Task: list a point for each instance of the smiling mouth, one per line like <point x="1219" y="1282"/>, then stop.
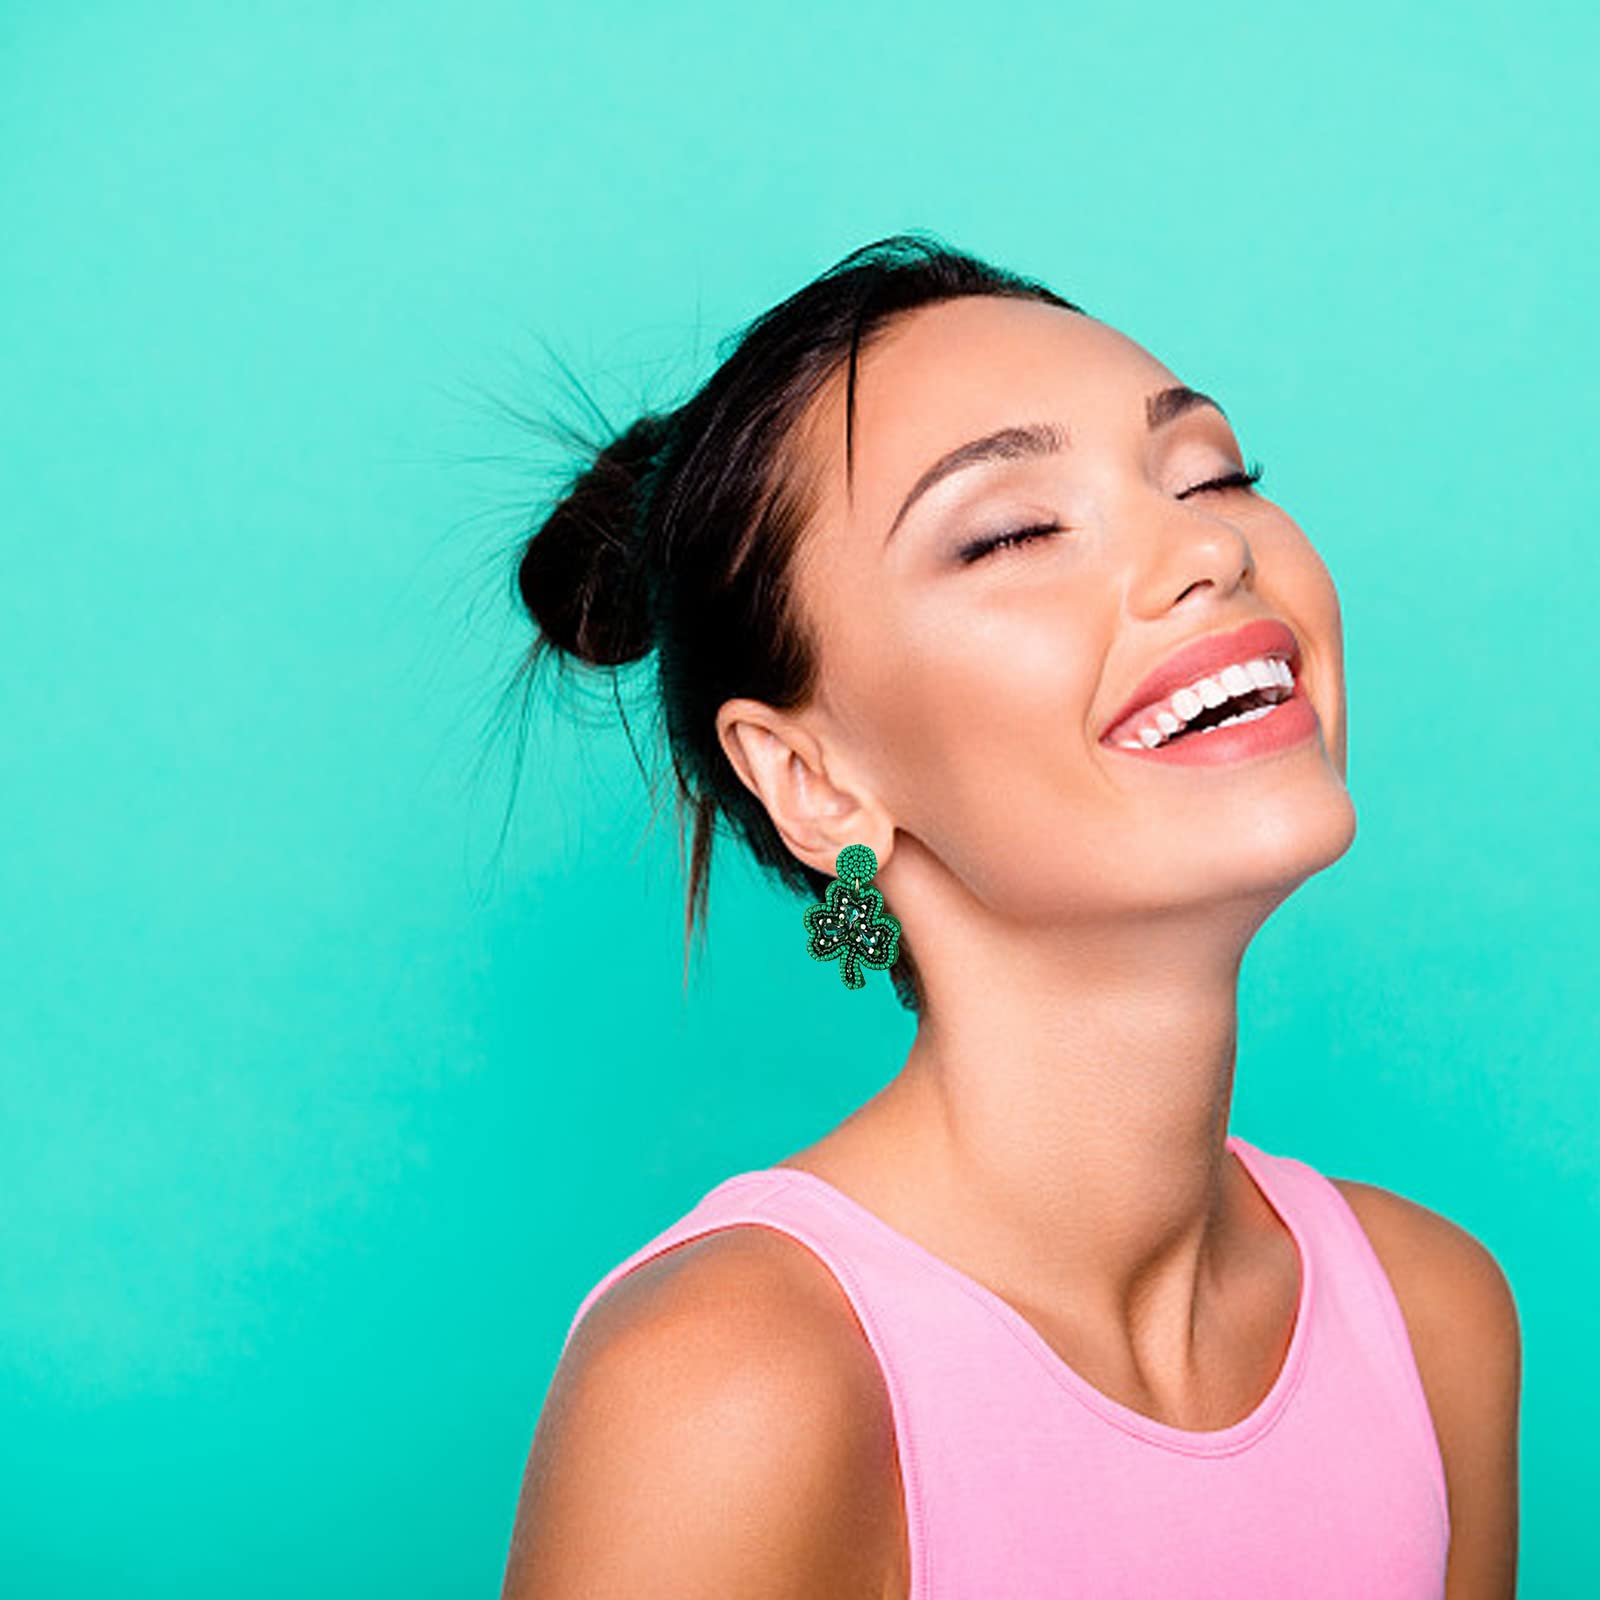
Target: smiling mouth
<point x="1246" y="727"/>
<point x="1243" y="691"/>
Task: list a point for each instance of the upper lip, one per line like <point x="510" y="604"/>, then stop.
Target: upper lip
<point x="1208" y="654"/>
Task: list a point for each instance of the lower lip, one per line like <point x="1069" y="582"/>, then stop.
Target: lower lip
<point x="1290" y="722"/>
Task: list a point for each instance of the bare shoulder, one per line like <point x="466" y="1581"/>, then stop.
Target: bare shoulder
<point x="717" y="1425"/>
<point x="1426" y="1242"/>
<point x="1451" y="1287"/>
<point x="1466" y="1334"/>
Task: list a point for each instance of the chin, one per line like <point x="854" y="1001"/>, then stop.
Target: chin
<point x="1286" y="844"/>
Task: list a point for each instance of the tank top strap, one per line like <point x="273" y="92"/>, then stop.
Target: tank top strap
<point x="770" y="1197"/>
<point x="1360" y="1305"/>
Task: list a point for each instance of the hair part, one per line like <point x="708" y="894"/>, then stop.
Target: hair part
<point x="680" y="534"/>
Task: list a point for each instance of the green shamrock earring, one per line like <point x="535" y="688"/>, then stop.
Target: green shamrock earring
<point x="850" y="924"/>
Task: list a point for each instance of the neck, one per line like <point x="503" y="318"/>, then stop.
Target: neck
<point x="1058" y="1127"/>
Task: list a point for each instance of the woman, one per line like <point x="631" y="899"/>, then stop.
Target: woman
<point x="939" y="565"/>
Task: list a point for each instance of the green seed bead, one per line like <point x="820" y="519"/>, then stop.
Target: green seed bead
<point x="850" y="924"/>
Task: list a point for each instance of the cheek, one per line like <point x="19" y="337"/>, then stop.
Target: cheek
<point x="1010" y="674"/>
<point x="982" y="719"/>
<point x="1303" y="585"/>
<point x="1314" y="584"/>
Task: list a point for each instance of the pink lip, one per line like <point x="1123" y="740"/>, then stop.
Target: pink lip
<point x="1200" y="657"/>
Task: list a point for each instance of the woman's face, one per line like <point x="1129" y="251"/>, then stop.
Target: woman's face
<point x="974" y="698"/>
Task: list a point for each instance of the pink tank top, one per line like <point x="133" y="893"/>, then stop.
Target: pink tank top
<point x="1024" y="1481"/>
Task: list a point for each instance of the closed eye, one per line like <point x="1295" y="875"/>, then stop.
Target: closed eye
<point x="1229" y="480"/>
<point x="979" y="548"/>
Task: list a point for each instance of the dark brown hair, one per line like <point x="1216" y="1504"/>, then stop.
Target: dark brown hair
<point x="679" y="534"/>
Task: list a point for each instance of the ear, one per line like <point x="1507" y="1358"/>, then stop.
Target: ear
<point x="815" y="801"/>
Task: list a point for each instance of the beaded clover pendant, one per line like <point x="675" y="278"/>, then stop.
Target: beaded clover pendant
<point x="849" y="924"/>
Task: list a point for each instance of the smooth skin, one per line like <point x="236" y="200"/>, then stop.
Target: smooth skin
<point x="1079" y="916"/>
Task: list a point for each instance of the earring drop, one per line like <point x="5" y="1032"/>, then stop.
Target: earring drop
<point x="849" y="925"/>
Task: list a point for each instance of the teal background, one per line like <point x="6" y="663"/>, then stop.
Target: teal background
<point x="321" y="1109"/>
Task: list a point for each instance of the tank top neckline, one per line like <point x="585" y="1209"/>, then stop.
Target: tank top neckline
<point x="1191" y="1441"/>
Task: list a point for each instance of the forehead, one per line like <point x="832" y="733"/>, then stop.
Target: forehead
<point x="950" y="372"/>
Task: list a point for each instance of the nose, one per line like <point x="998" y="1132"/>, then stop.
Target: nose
<point x="1188" y="547"/>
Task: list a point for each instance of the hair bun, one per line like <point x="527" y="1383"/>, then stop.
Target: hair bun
<point x="583" y="576"/>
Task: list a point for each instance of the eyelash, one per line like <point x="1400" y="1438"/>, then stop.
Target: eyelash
<point x="979" y="548"/>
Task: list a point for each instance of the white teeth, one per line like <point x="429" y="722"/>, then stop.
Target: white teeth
<point x="1233" y="681"/>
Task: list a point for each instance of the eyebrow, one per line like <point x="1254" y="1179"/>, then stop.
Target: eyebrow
<point x="1040" y="439"/>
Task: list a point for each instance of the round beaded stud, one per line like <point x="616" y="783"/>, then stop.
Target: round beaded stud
<point x="849" y="924"/>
